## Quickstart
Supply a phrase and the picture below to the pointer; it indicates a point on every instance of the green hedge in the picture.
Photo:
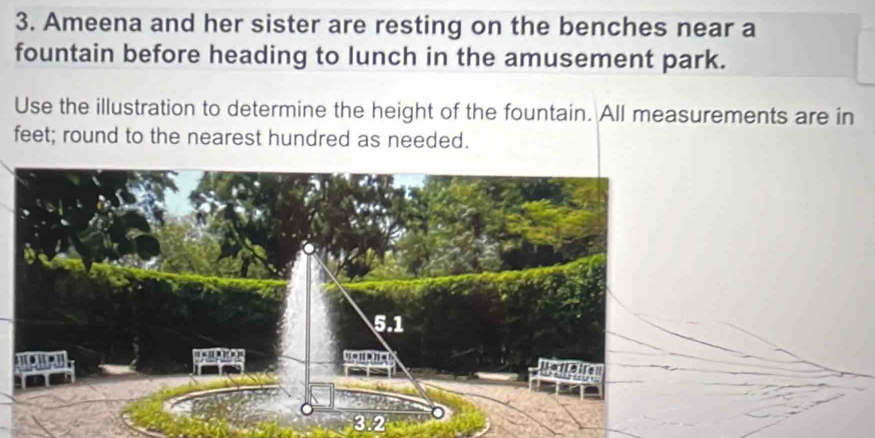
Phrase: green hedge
(460, 323)
(507, 319)
(102, 314)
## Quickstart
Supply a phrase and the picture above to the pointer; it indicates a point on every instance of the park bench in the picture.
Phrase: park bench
(574, 373)
(218, 357)
(368, 360)
(42, 363)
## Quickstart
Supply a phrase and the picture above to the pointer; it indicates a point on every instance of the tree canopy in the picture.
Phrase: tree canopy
(469, 224)
(252, 225)
(189, 247)
(97, 215)
(265, 218)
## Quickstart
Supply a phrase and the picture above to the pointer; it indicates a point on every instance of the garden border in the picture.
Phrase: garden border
(169, 403)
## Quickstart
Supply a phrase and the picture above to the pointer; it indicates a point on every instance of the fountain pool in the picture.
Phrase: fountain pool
(307, 393)
(304, 395)
(249, 407)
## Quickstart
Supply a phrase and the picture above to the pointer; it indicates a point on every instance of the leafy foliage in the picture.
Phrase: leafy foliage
(572, 225)
(95, 215)
(469, 225)
(188, 247)
(267, 217)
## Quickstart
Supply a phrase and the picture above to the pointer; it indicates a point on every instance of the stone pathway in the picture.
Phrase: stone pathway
(90, 407)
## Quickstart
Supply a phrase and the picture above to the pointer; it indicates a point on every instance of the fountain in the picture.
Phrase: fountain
(306, 311)
(306, 395)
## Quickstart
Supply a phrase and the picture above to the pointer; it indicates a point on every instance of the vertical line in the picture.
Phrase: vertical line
(598, 144)
(307, 342)
(598, 140)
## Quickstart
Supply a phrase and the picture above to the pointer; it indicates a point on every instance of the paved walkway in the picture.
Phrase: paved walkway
(90, 407)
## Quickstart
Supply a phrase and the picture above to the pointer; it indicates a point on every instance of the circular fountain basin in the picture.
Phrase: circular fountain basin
(247, 406)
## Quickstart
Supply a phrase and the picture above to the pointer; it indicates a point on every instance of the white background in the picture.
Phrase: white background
(767, 228)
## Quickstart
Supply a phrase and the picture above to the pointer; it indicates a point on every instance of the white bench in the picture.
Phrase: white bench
(43, 363)
(218, 357)
(368, 360)
(573, 373)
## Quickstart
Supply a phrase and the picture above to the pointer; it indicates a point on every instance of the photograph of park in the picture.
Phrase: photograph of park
(252, 305)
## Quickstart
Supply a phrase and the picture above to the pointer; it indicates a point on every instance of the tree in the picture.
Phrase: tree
(94, 214)
(269, 216)
(389, 268)
(573, 226)
(471, 224)
(188, 247)
(452, 228)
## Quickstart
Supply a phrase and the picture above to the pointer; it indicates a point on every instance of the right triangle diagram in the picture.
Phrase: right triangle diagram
(377, 361)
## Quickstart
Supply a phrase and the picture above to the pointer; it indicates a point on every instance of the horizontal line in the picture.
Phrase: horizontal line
(370, 411)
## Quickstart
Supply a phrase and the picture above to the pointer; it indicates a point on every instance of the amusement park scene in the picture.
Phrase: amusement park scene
(255, 305)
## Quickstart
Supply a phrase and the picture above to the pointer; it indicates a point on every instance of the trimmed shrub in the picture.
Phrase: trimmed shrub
(460, 323)
(157, 318)
(496, 320)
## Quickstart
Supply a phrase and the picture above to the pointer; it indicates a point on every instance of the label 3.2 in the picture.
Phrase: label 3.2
(361, 424)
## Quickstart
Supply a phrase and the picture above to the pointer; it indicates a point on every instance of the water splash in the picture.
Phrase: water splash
(323, 343)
